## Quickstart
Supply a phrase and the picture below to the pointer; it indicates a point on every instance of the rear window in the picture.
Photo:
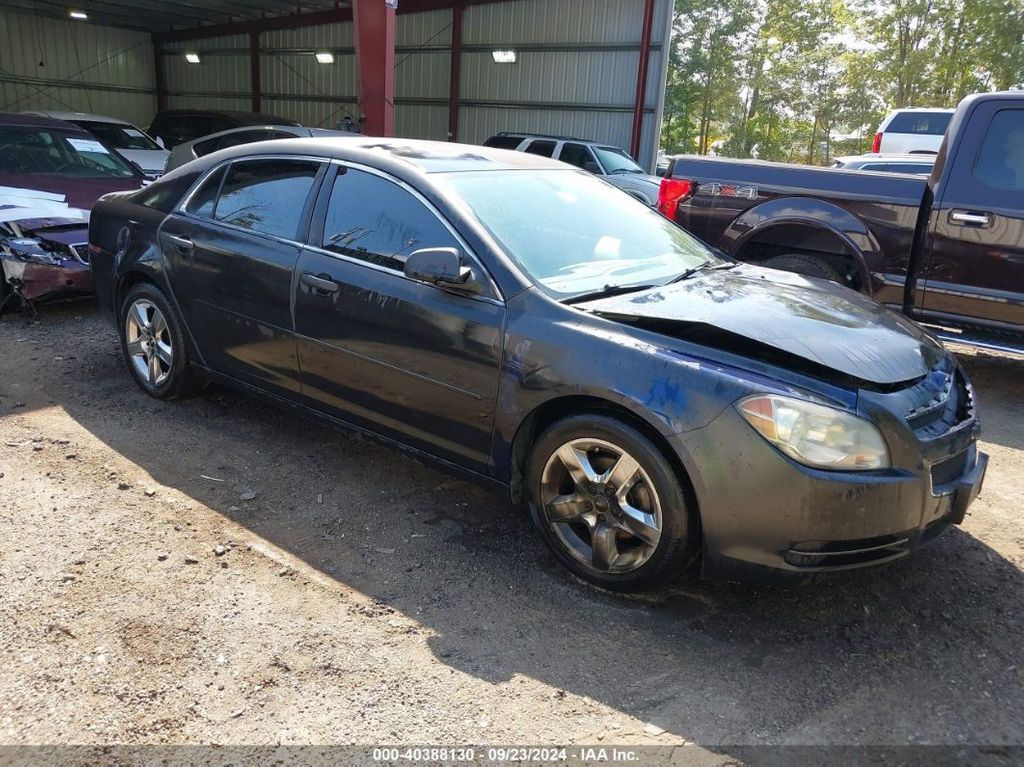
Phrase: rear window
(541, 148)
(504, 142)
(920, 123)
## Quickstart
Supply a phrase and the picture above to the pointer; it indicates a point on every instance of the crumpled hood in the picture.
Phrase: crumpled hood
(816, 320)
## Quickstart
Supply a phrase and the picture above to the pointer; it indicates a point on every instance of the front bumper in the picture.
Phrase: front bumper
(764, 516)
(34, 280)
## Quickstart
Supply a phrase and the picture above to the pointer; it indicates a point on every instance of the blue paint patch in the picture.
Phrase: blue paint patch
(665, 395)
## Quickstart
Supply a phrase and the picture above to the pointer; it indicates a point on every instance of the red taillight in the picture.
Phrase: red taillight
(672, 190)
(876, 145)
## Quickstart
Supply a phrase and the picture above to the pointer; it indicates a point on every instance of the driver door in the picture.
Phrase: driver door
(410, 360)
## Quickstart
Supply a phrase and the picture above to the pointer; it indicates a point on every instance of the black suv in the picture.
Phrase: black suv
(176, 126)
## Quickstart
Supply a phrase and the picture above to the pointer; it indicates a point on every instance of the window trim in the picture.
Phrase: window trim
(307, 211)
(320, 214)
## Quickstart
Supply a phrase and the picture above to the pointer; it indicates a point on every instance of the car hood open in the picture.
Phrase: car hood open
(814, 325)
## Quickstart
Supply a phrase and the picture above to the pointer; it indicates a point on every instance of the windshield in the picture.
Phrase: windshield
(120, 135)
(615, 160)
(32, 151)
(574, 234)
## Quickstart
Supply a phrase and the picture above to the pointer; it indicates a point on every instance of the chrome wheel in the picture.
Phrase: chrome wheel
(601, 505)
(148, 342)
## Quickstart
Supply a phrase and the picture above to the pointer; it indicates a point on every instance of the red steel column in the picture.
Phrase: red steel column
(375, 63)
(641, 79)
(455, 68)
(255, 79)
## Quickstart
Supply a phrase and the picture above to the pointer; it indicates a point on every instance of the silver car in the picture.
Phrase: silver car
(132, 143)
(248, 134)
(611, 163)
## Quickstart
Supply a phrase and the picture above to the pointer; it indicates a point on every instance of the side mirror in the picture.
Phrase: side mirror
(592, 167)
(440, 266)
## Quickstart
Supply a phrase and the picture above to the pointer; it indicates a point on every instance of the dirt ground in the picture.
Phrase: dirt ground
(360, 597)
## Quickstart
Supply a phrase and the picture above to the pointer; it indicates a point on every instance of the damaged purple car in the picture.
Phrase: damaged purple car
(51, 173)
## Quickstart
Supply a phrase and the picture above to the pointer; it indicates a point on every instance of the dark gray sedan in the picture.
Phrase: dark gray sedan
(526, 325)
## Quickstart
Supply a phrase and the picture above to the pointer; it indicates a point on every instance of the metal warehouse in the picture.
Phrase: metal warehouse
(444, 70)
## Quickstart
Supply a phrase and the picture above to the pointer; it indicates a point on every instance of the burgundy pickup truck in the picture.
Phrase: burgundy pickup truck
(946, 249)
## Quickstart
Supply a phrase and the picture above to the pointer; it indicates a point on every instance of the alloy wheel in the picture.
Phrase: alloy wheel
(149, 342)
(601, 505)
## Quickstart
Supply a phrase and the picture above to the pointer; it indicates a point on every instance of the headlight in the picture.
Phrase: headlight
(816, 435)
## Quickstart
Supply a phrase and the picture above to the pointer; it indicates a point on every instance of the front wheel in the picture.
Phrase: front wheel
(609, 504)
(153, 344)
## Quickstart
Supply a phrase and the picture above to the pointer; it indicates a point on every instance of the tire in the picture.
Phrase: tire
(594, 536)
(806, 265)
(156, 356)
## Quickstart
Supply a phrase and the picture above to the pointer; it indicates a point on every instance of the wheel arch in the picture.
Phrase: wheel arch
(808, 226)
(566, 406)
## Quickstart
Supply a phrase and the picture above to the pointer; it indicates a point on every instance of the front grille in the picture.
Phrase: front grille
(945, 401)
(951, 469)
(81, 252)
(847, 553)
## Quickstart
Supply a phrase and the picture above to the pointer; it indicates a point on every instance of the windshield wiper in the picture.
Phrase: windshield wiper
(699, 268)
(606, 292)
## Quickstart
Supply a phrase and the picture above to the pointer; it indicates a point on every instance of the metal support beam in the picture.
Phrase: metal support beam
(160, 76)
(641, 79)
(455, 73)
(255, 80)
(375, 63)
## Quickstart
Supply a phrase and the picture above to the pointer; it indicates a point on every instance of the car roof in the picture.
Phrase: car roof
(403, 158)
(527, 134)
(72, 116)
(923, 109)
(37, 121)
(924, 159)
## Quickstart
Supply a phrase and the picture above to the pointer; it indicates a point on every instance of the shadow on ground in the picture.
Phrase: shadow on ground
(895, 655)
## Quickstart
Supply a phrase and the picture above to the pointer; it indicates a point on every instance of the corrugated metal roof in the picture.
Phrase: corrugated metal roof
(164, 15)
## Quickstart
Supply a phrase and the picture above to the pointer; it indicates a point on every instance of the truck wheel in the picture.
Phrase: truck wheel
(806, 265)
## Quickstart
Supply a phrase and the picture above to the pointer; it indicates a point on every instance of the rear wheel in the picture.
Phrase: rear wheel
(609, 505)
(806, 265)
(153, 344)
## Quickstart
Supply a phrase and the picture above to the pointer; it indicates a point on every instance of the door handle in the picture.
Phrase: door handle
(321, 284)
(183, 244)
(964, 217)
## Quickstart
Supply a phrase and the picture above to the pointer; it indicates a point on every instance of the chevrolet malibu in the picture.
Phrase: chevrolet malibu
(525, 324)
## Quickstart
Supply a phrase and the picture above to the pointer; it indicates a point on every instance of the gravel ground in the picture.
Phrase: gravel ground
(217, 570)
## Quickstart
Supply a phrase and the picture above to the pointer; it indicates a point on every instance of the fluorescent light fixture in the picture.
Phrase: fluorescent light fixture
(325, 57)
(504, 57)
(81, 15)
(192, 58)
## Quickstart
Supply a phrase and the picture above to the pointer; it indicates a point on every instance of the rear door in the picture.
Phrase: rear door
(232, 252)
(410, 360)
(975, 270)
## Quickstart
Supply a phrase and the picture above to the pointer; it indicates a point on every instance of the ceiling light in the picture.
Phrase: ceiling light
(81, 15)
(325, 57)
(192, 58)
(504, 57)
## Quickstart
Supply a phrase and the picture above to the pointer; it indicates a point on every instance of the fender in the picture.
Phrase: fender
(816, 214)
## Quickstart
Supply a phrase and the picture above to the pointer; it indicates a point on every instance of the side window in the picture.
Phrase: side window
(908, 168)
(543, 148)
(267, 196)
(205, 198)
(576, 154)
(504, 142)
(1000, 163)
(243, 137)
(376, 220)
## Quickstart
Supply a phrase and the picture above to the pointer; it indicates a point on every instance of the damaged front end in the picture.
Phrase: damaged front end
(44, 258)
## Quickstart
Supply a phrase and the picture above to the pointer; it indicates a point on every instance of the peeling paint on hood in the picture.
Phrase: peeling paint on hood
(816, 320)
